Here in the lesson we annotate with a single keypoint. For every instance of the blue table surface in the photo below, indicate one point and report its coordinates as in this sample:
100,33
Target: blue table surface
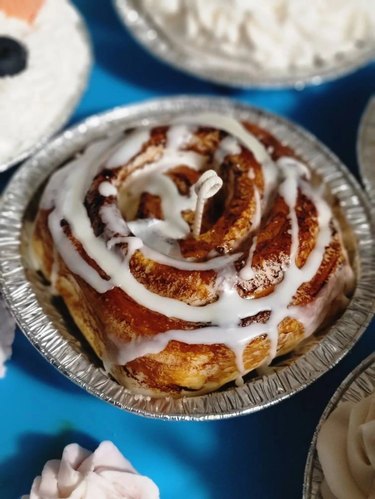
257,456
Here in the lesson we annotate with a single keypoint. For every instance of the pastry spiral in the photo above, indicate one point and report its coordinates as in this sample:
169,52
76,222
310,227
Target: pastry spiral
169,313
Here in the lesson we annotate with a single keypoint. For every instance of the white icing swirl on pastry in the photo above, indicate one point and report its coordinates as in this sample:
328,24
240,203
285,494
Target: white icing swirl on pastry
80,474
346,449
157,239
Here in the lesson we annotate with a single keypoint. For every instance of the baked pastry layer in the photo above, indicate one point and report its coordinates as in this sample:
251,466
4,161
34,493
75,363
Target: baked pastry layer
172,314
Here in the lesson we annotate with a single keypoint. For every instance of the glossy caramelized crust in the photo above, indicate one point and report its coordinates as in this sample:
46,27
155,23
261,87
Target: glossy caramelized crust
114,321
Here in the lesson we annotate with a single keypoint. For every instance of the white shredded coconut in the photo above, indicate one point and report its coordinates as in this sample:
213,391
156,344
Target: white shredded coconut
32,101
277,34
7,330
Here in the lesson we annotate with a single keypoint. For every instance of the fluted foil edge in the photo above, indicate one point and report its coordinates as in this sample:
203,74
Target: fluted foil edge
45,327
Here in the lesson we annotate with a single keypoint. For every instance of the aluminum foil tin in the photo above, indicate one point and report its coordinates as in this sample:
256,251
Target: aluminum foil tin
366,149
50,331
66,111
357,386
228,71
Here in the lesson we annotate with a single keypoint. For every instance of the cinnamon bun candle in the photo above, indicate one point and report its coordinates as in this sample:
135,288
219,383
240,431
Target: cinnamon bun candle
173,314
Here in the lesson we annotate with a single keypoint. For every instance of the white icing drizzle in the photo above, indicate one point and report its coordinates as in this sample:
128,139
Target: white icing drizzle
228,146
54,273
247,272
71,256
54,185
231,307
214,264
172,202
233,127
62,194
152,233
106,189
130,146
156,239
179,136
113,220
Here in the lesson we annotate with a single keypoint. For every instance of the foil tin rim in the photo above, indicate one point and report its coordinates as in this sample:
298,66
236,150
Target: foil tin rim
278,384
357,385
68,109
366,149
151,36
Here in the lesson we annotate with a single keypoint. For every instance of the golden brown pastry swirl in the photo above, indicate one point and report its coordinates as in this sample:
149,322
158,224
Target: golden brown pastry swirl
169,313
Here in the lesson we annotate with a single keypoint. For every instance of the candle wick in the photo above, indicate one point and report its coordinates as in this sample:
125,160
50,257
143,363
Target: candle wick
207,186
